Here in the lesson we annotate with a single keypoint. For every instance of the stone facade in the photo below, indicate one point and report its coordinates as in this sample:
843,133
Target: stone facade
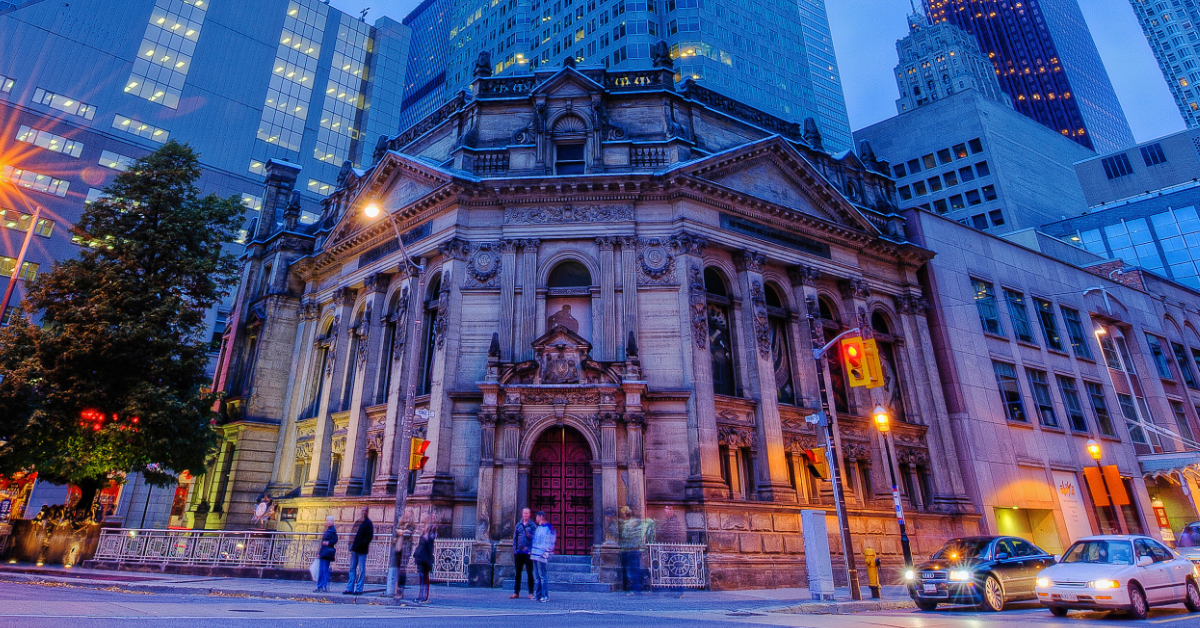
619,281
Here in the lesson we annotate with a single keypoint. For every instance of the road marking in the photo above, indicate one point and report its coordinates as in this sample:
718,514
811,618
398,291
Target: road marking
1171,619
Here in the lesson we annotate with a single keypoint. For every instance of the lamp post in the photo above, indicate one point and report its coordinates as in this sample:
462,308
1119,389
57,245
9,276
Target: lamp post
1093,449
883,424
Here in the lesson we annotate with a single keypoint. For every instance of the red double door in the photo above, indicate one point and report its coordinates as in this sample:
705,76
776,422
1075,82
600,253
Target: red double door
560,483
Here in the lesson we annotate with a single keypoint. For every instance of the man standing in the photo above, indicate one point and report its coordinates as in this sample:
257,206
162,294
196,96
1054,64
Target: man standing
358,555
635,532
522,542
541,550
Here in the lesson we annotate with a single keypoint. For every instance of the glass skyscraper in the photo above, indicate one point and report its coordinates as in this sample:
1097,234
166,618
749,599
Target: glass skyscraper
425,78
1170,27
1047,63
776,56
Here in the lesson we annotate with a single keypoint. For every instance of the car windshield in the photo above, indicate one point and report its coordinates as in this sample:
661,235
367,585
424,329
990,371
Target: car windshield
1101,552
960,549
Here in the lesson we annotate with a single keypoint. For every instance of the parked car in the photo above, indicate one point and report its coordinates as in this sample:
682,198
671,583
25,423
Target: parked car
1119,572
987,571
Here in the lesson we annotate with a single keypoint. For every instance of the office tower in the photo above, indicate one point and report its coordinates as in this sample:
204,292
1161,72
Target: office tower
939,60
777,57
1047,63
425,77
1170,28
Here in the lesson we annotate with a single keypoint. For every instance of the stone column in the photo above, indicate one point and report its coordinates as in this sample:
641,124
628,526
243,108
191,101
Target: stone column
370,340
514,478
484,528
629,289
634,427
508,305
609,475
609,334
437,481
772,474
527,318
403,344
302,356
704,481
804,290
319,481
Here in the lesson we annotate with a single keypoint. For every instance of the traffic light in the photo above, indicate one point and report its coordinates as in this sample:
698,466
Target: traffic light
871,361
854,359
817,465
417,457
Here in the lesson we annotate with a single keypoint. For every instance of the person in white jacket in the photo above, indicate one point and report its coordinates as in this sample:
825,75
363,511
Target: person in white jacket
542,548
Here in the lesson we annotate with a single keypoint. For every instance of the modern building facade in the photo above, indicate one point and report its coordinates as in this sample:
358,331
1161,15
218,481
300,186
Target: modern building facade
776,57
1143,203
1046,61
979,162
634,317
425,75
938,60
1170,28
1039,355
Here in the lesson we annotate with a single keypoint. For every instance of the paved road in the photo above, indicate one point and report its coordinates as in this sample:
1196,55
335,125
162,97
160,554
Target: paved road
38,606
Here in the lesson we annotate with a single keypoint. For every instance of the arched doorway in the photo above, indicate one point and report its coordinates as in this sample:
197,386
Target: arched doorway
560,484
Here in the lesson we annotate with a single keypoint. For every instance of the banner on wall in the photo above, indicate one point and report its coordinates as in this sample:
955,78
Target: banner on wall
1070,500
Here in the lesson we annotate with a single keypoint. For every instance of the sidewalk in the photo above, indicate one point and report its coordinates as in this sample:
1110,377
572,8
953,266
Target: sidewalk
456,597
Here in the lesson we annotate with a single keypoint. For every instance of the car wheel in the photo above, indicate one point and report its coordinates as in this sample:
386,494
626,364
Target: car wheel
1058,611
1138,606
927,606
993,595
1192,599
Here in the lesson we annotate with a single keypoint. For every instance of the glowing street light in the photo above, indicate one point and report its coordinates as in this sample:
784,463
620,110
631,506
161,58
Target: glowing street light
1093,449
883,424
371,210
882,421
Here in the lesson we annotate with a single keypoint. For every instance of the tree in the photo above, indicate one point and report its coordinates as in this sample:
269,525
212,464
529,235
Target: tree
113,378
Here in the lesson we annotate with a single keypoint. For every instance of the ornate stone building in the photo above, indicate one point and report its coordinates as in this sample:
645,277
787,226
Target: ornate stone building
622,283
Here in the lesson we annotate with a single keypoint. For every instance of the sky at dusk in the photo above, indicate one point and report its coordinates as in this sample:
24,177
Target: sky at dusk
865,34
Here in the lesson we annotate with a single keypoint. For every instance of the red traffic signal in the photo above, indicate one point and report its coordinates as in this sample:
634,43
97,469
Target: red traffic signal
417,457
854,359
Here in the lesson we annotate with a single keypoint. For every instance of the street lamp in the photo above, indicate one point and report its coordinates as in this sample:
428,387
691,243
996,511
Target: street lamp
371,210
1093,449
883,424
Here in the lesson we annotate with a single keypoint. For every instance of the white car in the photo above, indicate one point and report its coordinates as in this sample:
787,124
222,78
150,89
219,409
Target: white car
1119,572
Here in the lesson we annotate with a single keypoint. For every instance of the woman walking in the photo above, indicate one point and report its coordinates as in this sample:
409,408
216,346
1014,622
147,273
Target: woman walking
326,554
540,552
423,556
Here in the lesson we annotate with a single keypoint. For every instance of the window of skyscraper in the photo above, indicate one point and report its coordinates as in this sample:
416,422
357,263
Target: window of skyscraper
976,146
935,184
982,169
1039,385
930,161
989,192
1159,357
165,55
49,141
944,156
1153,155
6,84
290,89
63,103
1117,166
951,178
956,202
898,169
140,129
985,303
966,174
914,166
343,96
997,217
1100,408
979,221
35,181
940,206
905,193
1010,391
120,163
320,187
973,197
960,151
1017,313
919,188
1070,397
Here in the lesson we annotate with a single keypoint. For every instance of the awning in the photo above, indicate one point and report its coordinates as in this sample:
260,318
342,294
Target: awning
1169,465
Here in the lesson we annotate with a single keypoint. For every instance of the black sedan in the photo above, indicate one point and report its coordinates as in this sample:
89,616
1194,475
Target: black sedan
986,571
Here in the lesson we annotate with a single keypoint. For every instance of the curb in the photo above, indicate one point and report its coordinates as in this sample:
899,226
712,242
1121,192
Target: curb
844,608
320,598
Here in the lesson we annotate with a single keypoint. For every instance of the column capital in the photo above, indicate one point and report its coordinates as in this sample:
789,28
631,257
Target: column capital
911,304
750,261
606,243
854,288
344,297
802,275
688,244
377,282
699,305
455,248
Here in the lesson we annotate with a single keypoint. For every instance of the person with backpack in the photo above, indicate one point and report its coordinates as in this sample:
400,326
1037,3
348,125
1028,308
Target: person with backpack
358,555
522,542
423,557
540,551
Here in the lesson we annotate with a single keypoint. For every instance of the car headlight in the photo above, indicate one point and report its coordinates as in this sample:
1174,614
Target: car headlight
960,575
1103,584
1043,582
909,575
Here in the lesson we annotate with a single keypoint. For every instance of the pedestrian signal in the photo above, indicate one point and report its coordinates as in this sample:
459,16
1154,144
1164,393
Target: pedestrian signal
854,359
872,363
817,465
417,457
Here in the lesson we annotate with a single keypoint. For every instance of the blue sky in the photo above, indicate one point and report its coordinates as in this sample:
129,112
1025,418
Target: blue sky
865,34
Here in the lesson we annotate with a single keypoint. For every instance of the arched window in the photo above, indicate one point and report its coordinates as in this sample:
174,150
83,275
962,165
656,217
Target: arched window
429,325
781,349
720,341
570,145
569,298
316,377
831,326
884,342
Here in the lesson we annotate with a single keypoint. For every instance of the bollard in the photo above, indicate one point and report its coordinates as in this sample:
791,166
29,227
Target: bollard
872,572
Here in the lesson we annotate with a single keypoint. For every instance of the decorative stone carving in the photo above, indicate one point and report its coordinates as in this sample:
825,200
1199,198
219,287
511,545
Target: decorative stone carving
364,334
345,297
699,304
560,369
609,130
762,329
483,65
304,451
735,437
309,310
487,419
455,248
378,282
911,304
688,244
400,317
560,397
606,243
483,269
855,451
563,318
854,289
540,215
733,418
374,442
798,443
635,419
660,55
803,275
439,324
330,340
508,246
751,261
337,446
912,457
656,263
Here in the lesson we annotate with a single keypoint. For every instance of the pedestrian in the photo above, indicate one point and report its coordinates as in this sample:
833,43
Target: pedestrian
401,546
358,555
423,556
540,551
522,542
262,511
326,553
635,532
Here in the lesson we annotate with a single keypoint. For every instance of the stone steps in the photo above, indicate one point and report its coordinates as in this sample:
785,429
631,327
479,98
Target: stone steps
575,587
570,573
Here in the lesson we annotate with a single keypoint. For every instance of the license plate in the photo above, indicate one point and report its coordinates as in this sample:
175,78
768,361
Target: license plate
1069,597
929,588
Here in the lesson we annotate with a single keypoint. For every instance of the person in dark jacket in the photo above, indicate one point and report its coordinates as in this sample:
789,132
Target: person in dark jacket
423,557
358,555
326,554
522,541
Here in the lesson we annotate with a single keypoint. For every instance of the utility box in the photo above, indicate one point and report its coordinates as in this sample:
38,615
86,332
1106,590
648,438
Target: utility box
816,555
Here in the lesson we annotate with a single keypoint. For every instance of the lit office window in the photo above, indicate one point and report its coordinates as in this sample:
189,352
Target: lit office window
319,187
252,202
34,181
64,104
292,77
985,302
49,141
257,167
140,129
166,52
6,84
343,95
29,270
120,163
20,221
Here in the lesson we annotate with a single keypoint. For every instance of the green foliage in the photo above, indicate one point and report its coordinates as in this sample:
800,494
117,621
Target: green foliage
122,334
